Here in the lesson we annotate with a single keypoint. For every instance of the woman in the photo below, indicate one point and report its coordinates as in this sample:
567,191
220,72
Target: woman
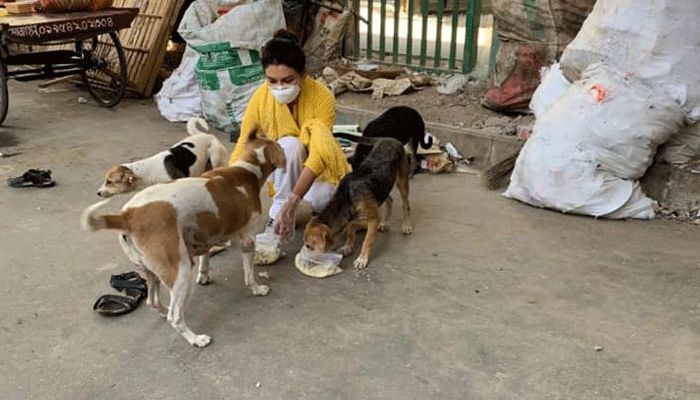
298,112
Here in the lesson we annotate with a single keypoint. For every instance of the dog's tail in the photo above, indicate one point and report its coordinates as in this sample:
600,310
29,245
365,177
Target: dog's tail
426,141
89,221
194,124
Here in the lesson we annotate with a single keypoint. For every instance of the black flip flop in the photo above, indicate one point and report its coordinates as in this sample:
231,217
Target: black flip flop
115,304
128,280
32,178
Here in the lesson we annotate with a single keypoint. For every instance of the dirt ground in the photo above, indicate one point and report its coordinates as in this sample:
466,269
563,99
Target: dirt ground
488,299
461,110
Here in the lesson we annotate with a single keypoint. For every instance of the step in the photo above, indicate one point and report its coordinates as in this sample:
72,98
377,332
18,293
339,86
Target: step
674,187
485,149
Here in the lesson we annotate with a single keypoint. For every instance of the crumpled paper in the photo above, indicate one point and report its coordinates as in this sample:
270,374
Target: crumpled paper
437,163
354,82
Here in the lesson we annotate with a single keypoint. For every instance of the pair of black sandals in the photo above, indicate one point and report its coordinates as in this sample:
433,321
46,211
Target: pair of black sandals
134,289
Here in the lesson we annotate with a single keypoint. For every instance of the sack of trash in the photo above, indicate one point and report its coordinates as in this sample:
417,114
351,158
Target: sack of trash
179,98
592,144
656,41
228,69
532,34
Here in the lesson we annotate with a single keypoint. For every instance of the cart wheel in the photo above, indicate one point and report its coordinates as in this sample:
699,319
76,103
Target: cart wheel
4,94
105,70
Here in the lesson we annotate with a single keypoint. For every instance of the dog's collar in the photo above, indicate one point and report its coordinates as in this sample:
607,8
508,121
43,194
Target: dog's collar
250,167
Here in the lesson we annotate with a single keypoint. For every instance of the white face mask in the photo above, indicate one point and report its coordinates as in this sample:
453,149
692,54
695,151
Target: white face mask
285,94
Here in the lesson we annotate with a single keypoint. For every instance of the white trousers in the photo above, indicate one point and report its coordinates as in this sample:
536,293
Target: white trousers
318,195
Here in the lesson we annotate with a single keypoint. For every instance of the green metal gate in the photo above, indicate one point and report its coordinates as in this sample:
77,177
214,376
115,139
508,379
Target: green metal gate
446,39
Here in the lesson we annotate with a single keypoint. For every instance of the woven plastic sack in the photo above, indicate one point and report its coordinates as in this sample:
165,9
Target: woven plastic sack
180,98
229,70
591,145
227,79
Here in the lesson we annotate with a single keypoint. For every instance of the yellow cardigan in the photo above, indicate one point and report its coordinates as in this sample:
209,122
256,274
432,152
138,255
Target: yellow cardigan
312,123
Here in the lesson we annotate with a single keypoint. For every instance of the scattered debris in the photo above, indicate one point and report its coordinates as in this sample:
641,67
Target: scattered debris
497,125
523,131
264,275
690,213
461,164
386,87
598,348
363,274
452,84
420,80
257,385
353,81
367,66
437,163
82,100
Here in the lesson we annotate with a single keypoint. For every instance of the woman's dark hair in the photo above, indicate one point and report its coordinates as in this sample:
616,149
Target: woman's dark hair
284,49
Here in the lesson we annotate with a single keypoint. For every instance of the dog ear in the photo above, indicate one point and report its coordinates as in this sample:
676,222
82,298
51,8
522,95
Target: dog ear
275,154
253,133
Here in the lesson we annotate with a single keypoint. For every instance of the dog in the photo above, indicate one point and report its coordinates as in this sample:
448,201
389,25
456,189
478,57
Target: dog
402,123
165,226
191,157
358,198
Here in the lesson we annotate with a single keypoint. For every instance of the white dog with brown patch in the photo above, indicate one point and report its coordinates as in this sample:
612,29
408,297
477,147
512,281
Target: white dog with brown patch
165,226
190,157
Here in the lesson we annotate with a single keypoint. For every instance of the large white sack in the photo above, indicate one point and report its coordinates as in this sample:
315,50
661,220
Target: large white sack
247,26
229,70
179,99
553,84
587,150
655,40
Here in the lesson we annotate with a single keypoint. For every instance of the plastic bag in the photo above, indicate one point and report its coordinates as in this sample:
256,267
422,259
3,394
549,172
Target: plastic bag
587,150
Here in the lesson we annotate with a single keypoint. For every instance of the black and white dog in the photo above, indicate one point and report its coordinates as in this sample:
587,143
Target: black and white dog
190,157
402,123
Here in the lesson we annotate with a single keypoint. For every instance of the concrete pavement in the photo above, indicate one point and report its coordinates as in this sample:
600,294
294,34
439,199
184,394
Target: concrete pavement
488,299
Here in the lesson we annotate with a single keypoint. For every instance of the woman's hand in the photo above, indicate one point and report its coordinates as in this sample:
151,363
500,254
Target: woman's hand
285,220
284,225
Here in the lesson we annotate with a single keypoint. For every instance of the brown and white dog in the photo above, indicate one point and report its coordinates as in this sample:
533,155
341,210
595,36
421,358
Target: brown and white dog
165,226
190,157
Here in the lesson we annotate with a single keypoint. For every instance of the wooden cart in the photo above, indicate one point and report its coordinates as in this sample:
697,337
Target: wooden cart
82,43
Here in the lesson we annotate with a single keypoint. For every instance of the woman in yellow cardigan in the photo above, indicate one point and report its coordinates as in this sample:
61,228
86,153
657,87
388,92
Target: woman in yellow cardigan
298,112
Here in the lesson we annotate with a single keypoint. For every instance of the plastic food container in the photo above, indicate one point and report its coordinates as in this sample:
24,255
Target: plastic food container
267,249
317,264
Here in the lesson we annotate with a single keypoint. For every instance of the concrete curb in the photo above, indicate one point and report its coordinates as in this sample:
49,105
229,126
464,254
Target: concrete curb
676,188
486,149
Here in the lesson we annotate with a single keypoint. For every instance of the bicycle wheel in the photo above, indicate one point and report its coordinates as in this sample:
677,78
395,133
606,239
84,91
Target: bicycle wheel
105,68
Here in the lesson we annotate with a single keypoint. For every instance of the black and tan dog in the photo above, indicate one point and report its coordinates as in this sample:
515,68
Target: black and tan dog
357,201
